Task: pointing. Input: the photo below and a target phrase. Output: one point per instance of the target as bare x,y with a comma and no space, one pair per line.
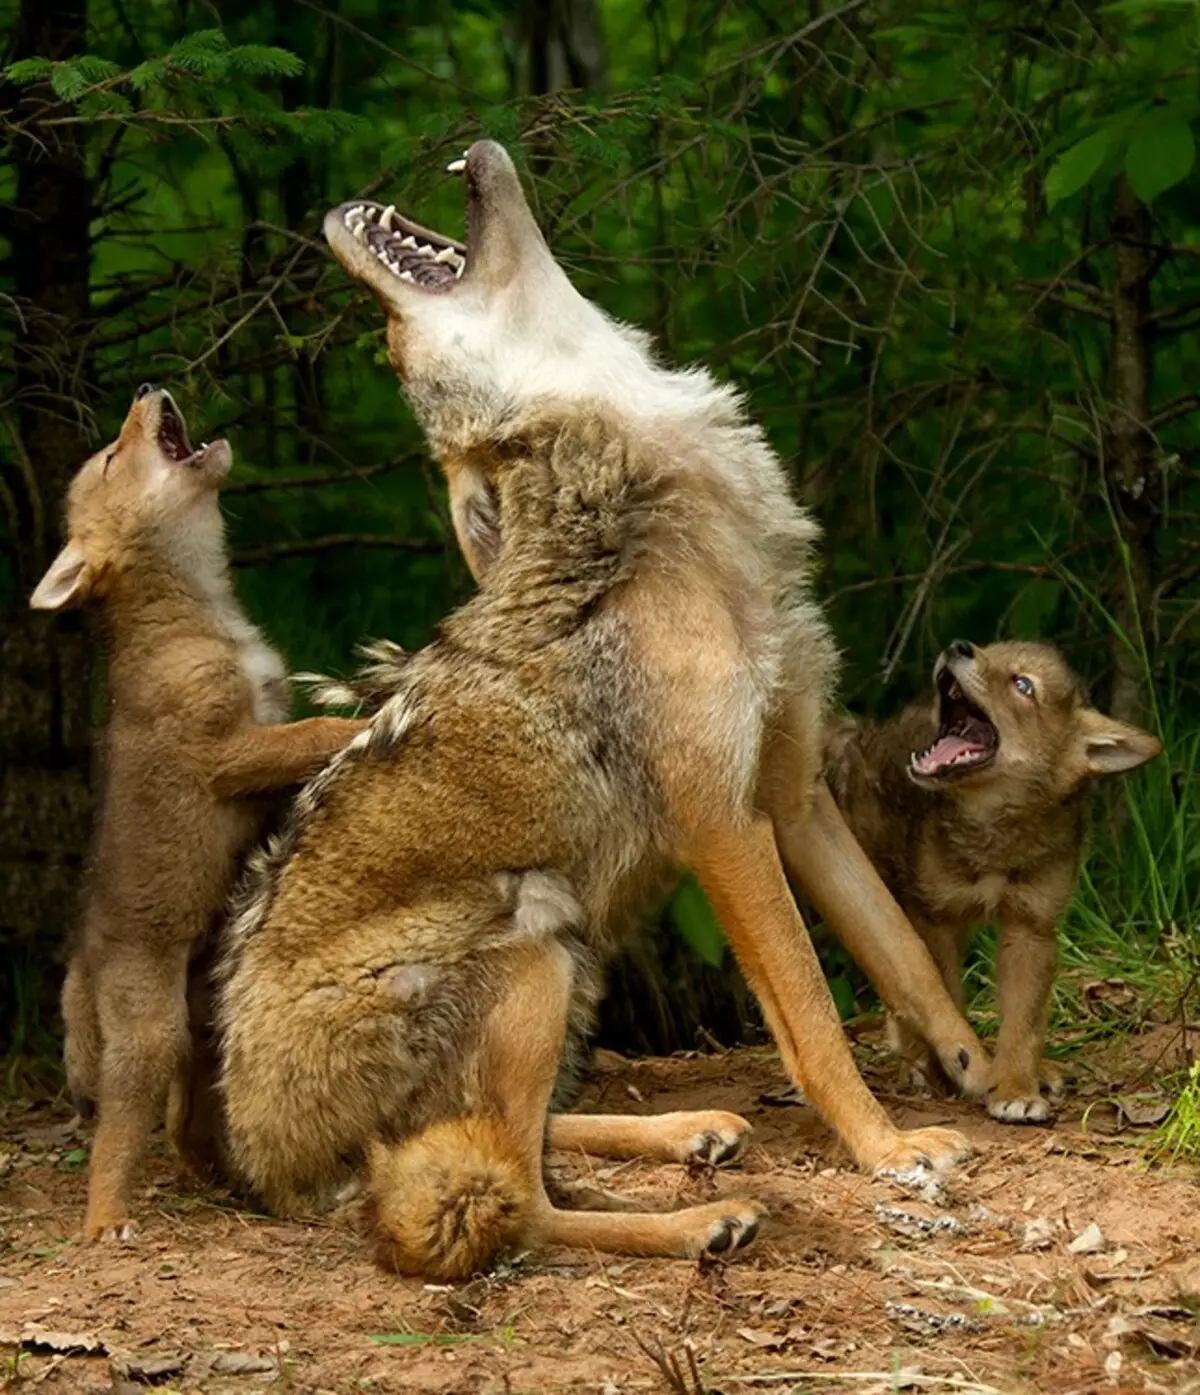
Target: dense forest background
951,252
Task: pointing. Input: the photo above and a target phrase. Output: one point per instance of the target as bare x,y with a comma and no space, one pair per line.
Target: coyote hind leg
82,1046
142,1002
485,1171
708,1136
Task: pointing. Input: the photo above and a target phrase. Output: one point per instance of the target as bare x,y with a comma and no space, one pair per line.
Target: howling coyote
196,733
639,685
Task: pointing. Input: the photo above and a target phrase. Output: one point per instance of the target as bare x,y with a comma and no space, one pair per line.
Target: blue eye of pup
1023,685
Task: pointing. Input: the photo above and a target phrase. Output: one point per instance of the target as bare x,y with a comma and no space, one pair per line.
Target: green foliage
893,229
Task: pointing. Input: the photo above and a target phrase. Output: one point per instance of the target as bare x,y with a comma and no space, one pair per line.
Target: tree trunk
1130,477
563,45
45,798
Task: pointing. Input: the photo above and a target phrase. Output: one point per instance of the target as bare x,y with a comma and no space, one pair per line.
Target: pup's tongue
946,751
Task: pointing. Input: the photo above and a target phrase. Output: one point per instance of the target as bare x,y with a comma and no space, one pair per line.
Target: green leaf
1160,155
27,70
843,996
1075,167
68,82
696,923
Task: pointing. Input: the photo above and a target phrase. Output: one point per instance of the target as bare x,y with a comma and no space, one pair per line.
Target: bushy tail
448,1202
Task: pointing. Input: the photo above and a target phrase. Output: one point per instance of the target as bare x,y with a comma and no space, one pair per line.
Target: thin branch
305,547
316,480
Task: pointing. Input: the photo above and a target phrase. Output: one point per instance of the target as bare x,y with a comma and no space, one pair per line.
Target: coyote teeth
385,218
409,241
425,250
447,254
456,166
360,232
458,270
409,277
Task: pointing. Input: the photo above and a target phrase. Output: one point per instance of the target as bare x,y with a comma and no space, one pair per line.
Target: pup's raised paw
733,1227
716,1138
922,1152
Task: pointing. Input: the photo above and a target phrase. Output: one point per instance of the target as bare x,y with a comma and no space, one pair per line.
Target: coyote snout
972,809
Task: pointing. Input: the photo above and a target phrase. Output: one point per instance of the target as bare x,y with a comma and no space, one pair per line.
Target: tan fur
430,932
448,1202
1001,843
190,744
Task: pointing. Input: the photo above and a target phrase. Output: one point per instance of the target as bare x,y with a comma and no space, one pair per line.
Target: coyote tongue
956,747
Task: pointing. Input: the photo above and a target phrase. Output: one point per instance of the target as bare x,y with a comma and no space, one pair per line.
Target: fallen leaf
1088,1242
1142,1111
760,1337
34,1337
1038,1234
148,1367
242,1363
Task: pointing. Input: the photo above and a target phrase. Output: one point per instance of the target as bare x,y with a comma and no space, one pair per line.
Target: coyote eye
1023,685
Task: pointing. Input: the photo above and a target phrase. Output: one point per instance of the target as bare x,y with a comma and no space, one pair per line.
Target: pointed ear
67,583
1111,747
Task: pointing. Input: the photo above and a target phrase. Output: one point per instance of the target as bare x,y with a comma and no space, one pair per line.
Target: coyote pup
197,703
639,683
972,809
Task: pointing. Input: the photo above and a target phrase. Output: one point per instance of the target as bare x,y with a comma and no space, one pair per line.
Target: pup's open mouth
966,738
173,438
416,255
172,434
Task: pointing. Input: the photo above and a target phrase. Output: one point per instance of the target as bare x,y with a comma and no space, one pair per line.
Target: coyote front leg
827,865
1026,961
261,758
740,872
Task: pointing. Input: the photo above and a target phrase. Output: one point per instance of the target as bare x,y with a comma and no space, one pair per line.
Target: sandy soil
997,1285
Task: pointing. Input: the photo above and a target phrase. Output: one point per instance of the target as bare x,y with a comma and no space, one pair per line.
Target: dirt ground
1055,1261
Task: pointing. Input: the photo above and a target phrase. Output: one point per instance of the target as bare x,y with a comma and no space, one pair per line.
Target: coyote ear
1111,747
67,583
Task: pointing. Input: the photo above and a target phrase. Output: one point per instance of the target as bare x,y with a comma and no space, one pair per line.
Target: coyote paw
720,1138
119,1232
1022,1100
920,1153
733,1230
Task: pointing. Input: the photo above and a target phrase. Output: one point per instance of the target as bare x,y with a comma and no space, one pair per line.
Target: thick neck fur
173,590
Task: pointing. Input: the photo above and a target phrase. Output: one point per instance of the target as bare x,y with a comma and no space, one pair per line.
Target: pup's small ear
67,583
1111,747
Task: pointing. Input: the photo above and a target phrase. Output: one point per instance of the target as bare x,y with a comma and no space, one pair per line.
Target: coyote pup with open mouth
972,808
196,711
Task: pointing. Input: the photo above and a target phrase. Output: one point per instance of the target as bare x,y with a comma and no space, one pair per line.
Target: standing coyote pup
972,809
639,683
197,703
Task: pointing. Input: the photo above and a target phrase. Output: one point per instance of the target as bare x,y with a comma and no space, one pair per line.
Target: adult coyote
639,684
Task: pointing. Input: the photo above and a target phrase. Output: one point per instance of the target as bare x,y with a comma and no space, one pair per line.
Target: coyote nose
144,391
961,648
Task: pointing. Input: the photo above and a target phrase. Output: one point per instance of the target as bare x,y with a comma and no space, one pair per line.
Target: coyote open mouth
966,738
416,255
172,433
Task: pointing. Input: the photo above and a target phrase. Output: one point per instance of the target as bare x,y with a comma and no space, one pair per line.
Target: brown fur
639,684
191,742
1001,843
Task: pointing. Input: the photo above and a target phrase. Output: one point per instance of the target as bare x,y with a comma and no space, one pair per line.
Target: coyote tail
447,1202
